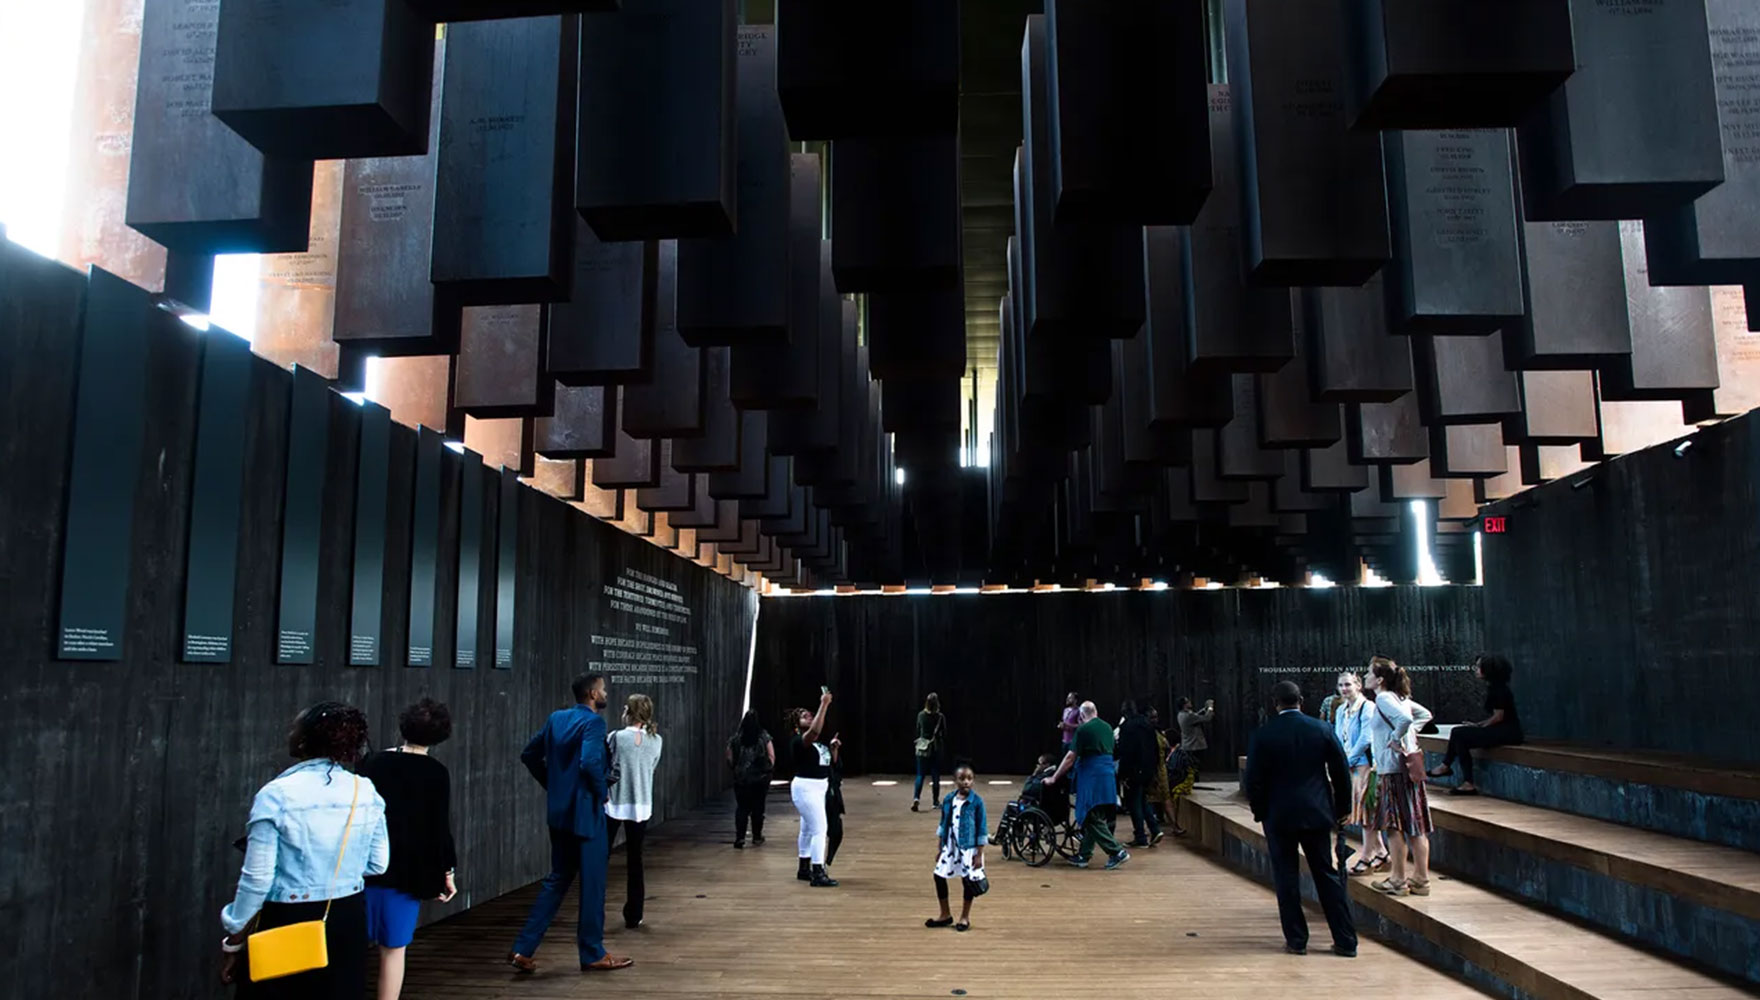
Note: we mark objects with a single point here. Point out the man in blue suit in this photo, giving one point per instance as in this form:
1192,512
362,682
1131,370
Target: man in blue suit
1299,787
568,758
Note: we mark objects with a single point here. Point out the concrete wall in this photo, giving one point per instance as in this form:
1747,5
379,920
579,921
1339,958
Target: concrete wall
1002,662
125,783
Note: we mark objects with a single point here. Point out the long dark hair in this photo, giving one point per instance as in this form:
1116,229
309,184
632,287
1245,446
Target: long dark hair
749,729
1495,667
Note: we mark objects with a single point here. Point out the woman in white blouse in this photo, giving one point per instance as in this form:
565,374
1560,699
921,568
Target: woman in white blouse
1402,812
629,803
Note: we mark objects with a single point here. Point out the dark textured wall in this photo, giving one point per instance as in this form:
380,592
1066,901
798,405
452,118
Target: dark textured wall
1002,662
126,782
1625,595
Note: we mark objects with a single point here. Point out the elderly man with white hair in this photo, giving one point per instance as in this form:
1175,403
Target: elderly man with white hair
1090,753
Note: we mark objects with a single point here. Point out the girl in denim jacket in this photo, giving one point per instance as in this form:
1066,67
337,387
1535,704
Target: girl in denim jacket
962,834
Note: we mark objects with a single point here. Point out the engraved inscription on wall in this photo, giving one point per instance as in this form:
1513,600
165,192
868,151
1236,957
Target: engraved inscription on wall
652,643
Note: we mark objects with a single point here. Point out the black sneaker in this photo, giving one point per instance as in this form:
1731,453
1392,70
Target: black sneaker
756,840
1293,950
739,845
1344,952
1157,838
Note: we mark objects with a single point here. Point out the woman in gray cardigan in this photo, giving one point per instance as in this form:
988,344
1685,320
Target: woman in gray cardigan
635,752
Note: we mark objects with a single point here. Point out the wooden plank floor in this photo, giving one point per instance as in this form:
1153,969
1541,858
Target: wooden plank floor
726,923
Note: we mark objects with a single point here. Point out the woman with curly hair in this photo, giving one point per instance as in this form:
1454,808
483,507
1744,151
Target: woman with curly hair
418,815
316,831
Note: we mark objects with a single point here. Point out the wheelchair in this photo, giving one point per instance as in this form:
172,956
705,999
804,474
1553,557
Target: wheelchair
1037,826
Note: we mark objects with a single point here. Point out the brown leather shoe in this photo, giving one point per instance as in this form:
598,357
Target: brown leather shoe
609,963
521,963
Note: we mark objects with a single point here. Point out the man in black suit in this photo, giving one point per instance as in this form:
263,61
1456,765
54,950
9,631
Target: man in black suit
1299,786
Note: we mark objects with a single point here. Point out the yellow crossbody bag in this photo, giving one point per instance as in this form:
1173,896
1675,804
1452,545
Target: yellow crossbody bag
295,948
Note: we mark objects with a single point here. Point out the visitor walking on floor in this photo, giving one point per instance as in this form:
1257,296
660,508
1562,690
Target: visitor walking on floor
1349,718
1299,788
568,758
1138,760
962,833
635,753
1090,754
752,756
931,734
1402,810
1502,727
417,790
316,831
811,785
1192,726
1160,793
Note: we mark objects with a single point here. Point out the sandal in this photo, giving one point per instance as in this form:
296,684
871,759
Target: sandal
1381,862
1440,771
1469,790
938,922
1363,866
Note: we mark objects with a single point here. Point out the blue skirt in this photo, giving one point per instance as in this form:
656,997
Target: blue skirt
1096,784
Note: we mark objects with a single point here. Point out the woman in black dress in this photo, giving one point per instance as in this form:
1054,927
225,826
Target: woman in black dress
1501,727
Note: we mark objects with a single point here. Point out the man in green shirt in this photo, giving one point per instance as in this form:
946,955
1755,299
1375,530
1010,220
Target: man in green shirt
1090,753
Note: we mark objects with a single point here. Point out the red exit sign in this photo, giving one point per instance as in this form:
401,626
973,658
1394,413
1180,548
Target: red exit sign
1496,525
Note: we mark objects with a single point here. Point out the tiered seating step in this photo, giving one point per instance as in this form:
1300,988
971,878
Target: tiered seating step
1669,793
1499,943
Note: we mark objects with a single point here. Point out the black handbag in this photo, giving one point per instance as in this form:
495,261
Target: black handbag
980,885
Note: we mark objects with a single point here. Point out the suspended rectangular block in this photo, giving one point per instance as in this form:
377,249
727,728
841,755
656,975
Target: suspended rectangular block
1462,380
920,405
604,335
485,10
1467,451
1633,426
676,490
504,225
1314,200
1230,325
582,425
917,333
1634,131
702,513
656,148
1575,287
864,68
385,302
671,403
1504,486
808,432
1104,58
778,497
1288,494
1386,432
718,448
1330,470
895,212
347,79
504,443
734,290
1289,417
1180,394
1457,266
748,479
1208,486
1738,360
1239,454
1674,348
500,368
785,375
1424,64
1255,511
1351,357
1715,239
195,185
1400,483
1558,408
632,464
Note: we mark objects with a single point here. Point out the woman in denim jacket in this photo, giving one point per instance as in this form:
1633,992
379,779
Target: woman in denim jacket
291,871
962,833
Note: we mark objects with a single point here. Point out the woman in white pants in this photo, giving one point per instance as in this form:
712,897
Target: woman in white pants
812,771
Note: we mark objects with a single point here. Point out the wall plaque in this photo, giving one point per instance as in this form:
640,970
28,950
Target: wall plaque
473,553
216,492
302,517
372,488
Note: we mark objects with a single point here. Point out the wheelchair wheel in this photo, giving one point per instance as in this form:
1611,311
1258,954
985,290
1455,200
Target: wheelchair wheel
1069,840
1035,840
1005,832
